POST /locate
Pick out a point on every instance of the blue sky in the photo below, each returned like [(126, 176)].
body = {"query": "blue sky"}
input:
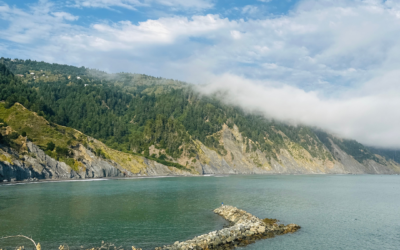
[(232, 9), (328, 63)]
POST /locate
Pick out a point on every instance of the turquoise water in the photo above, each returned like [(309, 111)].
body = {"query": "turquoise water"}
[(335, 212)]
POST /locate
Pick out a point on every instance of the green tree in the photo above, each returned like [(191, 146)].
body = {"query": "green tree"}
[(62, 151), (50, 146)]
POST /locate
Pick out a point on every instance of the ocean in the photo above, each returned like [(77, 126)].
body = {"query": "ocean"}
[(334, 211)]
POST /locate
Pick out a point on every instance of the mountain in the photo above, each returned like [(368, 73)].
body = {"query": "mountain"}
[(135, 122), (32, 148)]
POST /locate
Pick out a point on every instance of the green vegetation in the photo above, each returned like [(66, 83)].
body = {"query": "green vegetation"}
[(50, 146), (37, 128), (131, 112), (390, 154), (166, 163), (351, 147), (100, 153), (53, 139)]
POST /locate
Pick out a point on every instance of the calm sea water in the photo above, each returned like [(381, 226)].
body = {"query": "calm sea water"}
[(335, 212)]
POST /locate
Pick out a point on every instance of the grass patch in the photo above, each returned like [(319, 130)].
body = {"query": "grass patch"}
[(36, 127), (167, 163)]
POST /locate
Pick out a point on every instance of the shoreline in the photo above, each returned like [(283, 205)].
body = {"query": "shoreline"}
[(12, 183)]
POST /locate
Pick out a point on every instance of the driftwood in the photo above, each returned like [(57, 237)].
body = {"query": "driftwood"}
[(104, 246), (37, 246)]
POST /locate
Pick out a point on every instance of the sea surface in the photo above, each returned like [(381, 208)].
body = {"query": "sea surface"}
[(334, 211)]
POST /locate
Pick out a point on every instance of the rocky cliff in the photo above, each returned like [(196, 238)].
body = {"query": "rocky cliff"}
[(292, 159), (24, 155), (152, 126), (36, 165), (24, 152)]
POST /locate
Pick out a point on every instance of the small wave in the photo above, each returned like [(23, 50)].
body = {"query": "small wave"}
[(12, 184), (51, 181), (146, 177), (98, 179)]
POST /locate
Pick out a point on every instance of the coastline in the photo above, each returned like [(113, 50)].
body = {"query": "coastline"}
[(37, 181)]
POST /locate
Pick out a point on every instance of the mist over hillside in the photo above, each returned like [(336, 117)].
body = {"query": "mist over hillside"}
[(180, 124)]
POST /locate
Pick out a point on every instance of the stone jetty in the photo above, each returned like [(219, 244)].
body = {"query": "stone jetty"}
[(244, 229)]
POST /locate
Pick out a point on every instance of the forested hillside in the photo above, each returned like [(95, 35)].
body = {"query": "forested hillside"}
[(161, 119)]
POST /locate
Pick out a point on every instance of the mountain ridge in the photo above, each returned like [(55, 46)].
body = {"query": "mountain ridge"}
[(169, 122), (23, 158)]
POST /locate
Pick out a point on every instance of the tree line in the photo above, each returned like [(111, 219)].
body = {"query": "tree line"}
[(131, 115)]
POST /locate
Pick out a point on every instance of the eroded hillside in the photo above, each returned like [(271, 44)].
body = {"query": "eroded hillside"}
[(32, 148), (241, 156), (142, 125)]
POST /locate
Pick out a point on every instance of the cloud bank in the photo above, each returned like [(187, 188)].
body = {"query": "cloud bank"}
[(371, 118), (331, 64)]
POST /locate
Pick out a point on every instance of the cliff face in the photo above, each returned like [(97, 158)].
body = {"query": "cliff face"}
[(36, 165), (290, 160), (23, 159), (84, 157), (154, 126)]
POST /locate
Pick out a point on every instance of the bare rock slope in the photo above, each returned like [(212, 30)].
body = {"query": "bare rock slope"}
[(291, 160), (90, 158), (37, 165)]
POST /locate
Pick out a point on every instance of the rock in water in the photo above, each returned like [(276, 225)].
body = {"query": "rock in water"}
[(246, 229)]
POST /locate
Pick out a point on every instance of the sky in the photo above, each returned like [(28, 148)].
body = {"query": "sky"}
[(334, 64)]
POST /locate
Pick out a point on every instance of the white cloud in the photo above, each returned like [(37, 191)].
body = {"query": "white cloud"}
[(134, 4), (40, 23), (200, 4), (161, 31), (65, 15), (236, 34), (129, 4), (332, 64), (250, 9), (370, 117)]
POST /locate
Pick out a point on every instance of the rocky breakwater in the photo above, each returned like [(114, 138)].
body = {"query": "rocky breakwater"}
[(244, 229)]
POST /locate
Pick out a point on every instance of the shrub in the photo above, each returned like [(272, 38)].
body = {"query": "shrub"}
[(100, 153), (2, 123), (167, 163), (162, 157), (50, 146), (63, 151), (70, 162), (23, 134), (13, 135)]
